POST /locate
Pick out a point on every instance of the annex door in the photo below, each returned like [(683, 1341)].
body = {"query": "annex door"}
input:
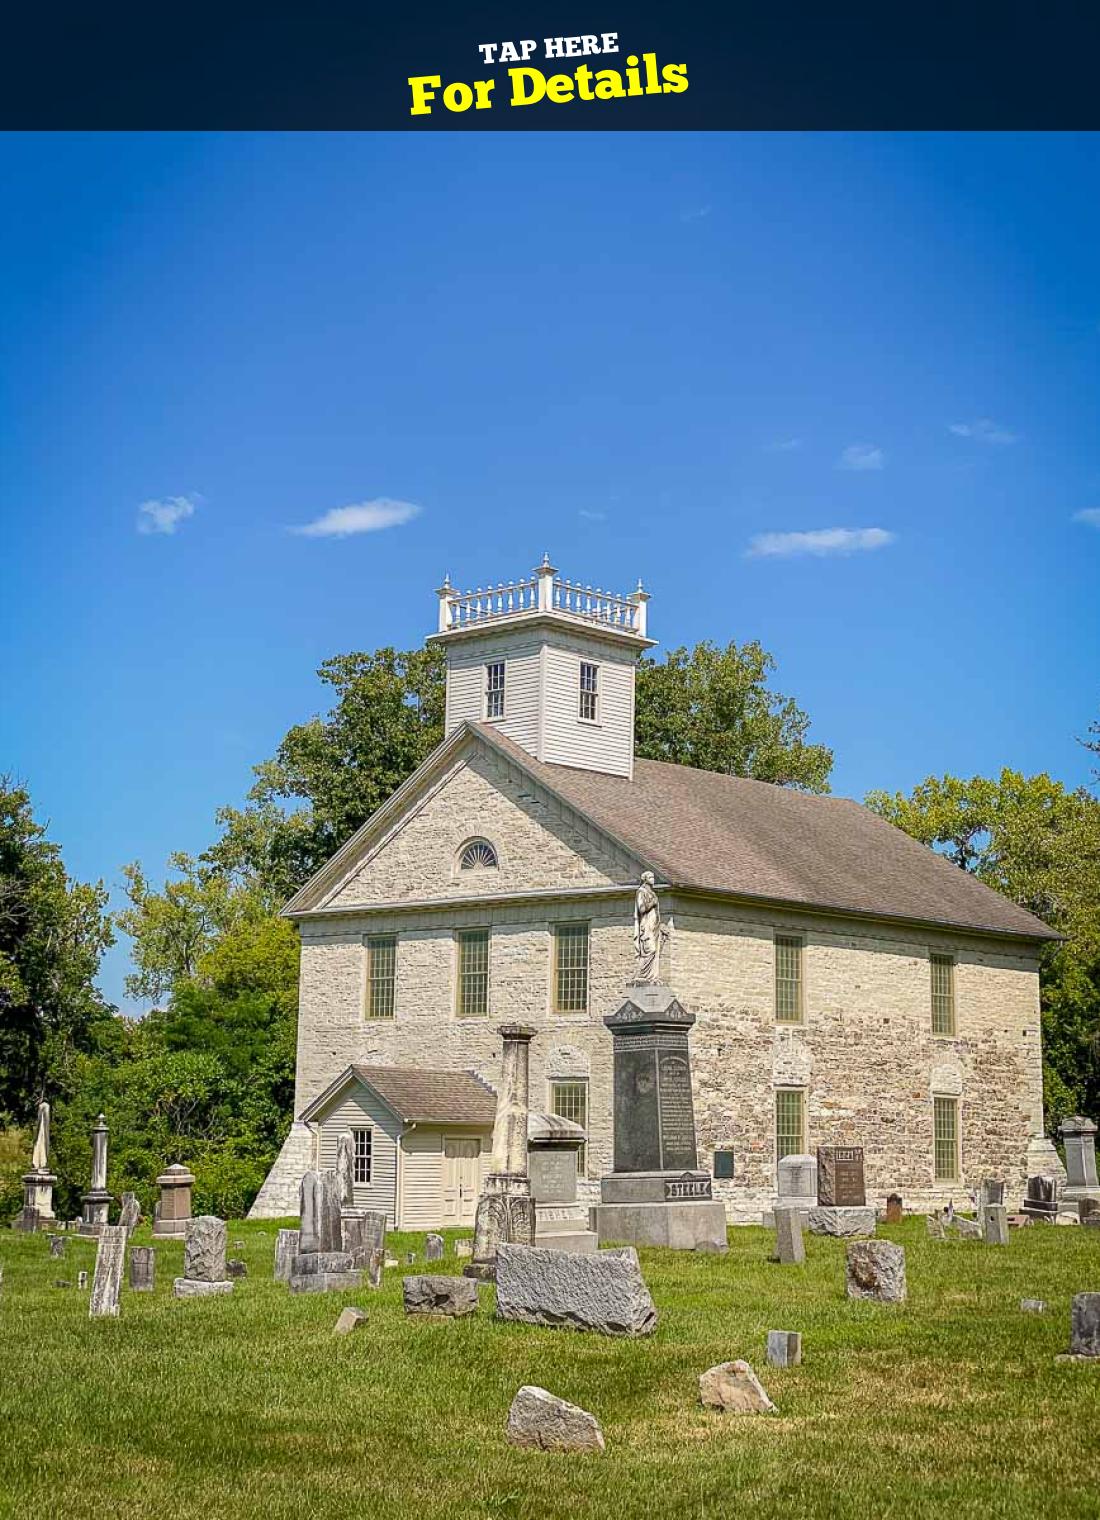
[(461, 1178)]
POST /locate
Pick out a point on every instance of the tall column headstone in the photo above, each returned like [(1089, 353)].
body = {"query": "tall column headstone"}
[(321, 1263), (506, 1209), (38, 1183), (97, 1200)]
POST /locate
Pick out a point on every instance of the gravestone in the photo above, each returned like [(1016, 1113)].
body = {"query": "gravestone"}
[(143, 1266), (286, 1249), (236, 1269), (876, 1270), (204, 1273), (657, 1194), (784, 1348), (173, 1209), (130, 1213), (38, 1183), (439, 1297), (349, 1319), (934, 1223), (82, 1279), (26, 1220), (796, 1184), (604, 1292), (57, 1245), (1085, 1326), (364, 1233), (734, 1388), (840, 1182), (995, 1224), (1088, 1210), (1079, 1137), (433, 1247), (109, 1259), (1041, 1199), (345, 1168), (506, 1209), (789, 1247), (895, 1212), (97, 1200), (374, 1269), (540, 1420), (321, 1264), (561, 1219)]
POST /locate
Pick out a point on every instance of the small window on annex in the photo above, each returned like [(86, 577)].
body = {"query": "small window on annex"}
[(361, 1155)]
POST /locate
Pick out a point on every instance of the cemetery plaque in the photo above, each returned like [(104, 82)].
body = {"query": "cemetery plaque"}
[(840, 1177), (690, 1185), (654, 1116), (723, 1164)]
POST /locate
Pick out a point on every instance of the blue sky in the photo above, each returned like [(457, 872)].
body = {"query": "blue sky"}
[(838, 394)]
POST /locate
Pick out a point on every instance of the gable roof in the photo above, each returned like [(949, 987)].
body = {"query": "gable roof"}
[(418, 1096), (751, 839)]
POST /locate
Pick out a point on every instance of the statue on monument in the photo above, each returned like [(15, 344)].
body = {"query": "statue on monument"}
[(647, 931)]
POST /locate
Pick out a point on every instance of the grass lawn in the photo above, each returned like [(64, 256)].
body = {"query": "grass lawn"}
[(247, 1407)]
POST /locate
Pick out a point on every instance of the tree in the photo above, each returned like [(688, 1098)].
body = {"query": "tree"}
[(53, 933), (1039, 844), (712, 708)]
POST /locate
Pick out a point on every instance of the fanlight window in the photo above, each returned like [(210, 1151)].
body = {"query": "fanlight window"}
[(478, 855)]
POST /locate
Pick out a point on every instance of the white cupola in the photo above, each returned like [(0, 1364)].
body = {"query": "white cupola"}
[(550, 663)]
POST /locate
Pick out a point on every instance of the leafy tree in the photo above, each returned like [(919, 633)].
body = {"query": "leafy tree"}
[(53, 933), (712, 708), (1039, 844)]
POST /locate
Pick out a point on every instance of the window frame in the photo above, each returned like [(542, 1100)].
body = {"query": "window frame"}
[(581, 1084), (372, 944), (800, 1093), (592, 691), (560, 934), (943, 959), (946, 1103), (464, 937), (494, 691), (477, 842), (362, 1165), (789, 942)]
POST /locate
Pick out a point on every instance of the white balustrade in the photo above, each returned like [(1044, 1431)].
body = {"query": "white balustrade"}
[(465, 609)]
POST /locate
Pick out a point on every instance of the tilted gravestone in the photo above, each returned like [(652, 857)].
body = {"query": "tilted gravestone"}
[(143, 1266), (604, 1292), (789, 1247), (109, 1259), (130, 1213), (364, 1233)]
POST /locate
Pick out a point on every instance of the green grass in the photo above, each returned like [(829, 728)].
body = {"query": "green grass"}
[(247, 1407)]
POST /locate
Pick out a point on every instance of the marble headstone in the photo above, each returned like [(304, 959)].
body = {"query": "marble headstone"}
[(109, 1259)]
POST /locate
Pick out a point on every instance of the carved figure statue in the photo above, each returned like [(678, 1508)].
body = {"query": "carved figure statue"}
[(647, 930)]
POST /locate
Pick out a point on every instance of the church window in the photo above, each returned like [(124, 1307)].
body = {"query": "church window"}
[(381, 975), (473, 972), (478, 855), (945, 1138), (494, 689), (361, 1155), (569, 1100), (788, 979), (943, 993), (589, 694), (790, 1122), (571, 968)]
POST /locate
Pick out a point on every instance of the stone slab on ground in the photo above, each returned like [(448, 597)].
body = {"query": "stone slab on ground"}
[(539, 1419), (965, 1229), (349, 1319), (734, 1388), (190, 1287), (440, 1297), (876, 1270), (784, 1348), (604, 1292), (826, 1220), (1033, 1305)]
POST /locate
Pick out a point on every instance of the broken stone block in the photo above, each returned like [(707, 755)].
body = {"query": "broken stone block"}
[(784, 1348), (966, 1229), (734, 1388), (842, 1221), (349, 1319), (440, 1297), (934, 1223), (604, 1291), (190, 1287), (876, 1270), (1033, 1305), (539, 1419), (236, 1269)]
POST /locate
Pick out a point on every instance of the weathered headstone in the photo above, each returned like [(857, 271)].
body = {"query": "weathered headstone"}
[(26, 1220), (204, 1272), (1088, 1210), (345, 1169), (934, 1222), (1085, 1325), (966, 1229), (440, 1297), (433, 1247), (505, 1209), (320, 1209), (173, 1208), (995, 1224), (39, 1181), (991, 1190), (1079, 1137), (876, 1270), (538, 1419), (561, 1218), (734, 1388), (109, 1259), (657, 1194), (82, 1279), (374, 1269), (143, 1266), (840, 1182), (236, 1269), (324, 1272), (789, 1247), (286, 1249), (1041, 1199), (796, 1183), (895, 1211), (604, 1292), (130, 1213), (97, 1200), (364, 1233), (784, 1348), (1033, 1305), (349, 1319), (826, 1220), (57, 1245)]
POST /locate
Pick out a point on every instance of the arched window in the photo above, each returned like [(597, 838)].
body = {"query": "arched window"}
[(478, 855)]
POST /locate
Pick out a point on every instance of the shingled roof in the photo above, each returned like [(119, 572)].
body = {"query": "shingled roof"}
[(417, 1096), (725, 834)]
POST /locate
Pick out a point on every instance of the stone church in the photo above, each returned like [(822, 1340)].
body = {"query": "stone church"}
[(850, 986)]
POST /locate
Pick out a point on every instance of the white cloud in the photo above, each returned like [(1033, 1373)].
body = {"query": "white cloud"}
[(862, 456), (818, 542), (1090, 515), (592, 516), (361, 517), (984, 430), (166, 515)]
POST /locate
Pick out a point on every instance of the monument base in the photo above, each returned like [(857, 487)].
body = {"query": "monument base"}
[(827, 1220), (564, 1227), (671, 1209), (169, 1229), (97, 1205), (505, 1216), (38, 1195)]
